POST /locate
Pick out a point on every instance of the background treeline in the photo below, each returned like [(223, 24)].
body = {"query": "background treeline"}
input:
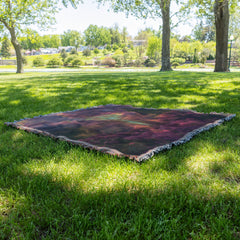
[(115, 47)]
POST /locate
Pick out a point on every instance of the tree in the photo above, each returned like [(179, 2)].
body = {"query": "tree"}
[(31, 41), (221, 10), (124, 35), (72, 38), (234, 25), (115, 35), (205, 32), (97, 36), (51, 41), (165, 9), (144, 35), (5, 50), (15, 15), (154, 48), (144, 9)]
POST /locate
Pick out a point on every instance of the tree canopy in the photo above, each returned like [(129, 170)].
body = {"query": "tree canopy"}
[(17, 15), (71, 38), (5, 49), (97, 36)]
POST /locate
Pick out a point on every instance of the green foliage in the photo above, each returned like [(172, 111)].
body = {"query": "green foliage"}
[(126, 59), (5, 49), (38, 62), (74, 51), (205, 33), (150, 62), (86, 52), (145, 35), (118, 52), (124, 35), (77, 62), (96, 50), (138, 62), (234, 25), (109, 47), (63, 54), (51, 41), (17, 14), (68, 60), (105, 51), (115, 47), (73, 61), (195, 57), (119, 60), (192, 50), (125, 50), (175, 64), (31, 40), (54, 62), (71, 38), (178, 60), (115, 35), (154, 48), (97, 36), (139, 51)]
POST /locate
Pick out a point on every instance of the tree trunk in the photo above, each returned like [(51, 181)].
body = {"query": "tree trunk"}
[(17, 48), (165, 8), (221, 12)]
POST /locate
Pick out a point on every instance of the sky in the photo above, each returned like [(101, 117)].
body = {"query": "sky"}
[(88, 13)]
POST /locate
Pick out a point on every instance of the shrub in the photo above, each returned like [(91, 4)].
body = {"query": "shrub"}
[(68, 60), (203, 59), (63, 54), (105, 52), (118, 52), (126, 59), (109, 61), (54, 62), (109, 48), (131, 46), (119, 60), (96, 50), (175, 64), (86, 52), (76, 62), (150, 62), (138, 62), (125, 50), (38, 62), (74, 51), (115, 46), (97, 62), (178, 60)]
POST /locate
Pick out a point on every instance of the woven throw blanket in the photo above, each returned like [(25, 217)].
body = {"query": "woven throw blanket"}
[(122, 130)]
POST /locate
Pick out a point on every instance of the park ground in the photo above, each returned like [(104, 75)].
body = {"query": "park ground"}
[(53, 190)]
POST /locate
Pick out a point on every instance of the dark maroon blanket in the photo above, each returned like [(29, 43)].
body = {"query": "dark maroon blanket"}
[(137, 133)]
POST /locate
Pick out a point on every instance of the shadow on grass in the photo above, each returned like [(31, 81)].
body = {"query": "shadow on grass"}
[(109, 198), (43, 206)]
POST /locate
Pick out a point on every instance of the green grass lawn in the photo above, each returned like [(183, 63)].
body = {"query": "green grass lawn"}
[(52, 190)]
